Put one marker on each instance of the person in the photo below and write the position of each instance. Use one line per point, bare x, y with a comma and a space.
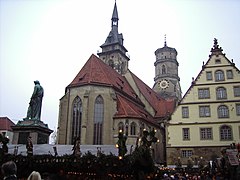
34, 176
29, 146
35, 104
9, 170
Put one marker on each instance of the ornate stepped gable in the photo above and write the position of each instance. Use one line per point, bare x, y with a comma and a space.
215, 51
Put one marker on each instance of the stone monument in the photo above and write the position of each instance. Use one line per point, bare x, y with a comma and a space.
31, 125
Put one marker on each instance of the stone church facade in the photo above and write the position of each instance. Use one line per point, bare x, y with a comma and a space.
105, 97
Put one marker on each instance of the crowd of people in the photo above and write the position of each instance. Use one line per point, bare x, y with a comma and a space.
9, 172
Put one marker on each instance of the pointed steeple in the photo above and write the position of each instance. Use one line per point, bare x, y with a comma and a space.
113, 52
115, 15
113, 36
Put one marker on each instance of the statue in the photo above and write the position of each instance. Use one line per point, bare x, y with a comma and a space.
121, 144
29, 146
35, 104
76, 147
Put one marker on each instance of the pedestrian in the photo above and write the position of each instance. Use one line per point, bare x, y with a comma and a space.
34, 176
9, 170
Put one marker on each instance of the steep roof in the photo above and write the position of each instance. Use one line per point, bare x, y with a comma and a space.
6, 123
129, 109
162, 107
96, 72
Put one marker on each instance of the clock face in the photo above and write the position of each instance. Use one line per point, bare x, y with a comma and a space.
163, 84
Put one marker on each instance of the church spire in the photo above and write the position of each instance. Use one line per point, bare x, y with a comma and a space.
115, 15
113, 52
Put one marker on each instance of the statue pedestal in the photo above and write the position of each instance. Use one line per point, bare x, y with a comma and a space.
36, 129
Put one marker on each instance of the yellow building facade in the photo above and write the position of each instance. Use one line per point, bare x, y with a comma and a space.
207, 118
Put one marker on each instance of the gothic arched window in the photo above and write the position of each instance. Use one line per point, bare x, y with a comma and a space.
76, 118
221, 93
98, 120
121, 127
225, 132
223, 111
219, 75
133, 127
163, 69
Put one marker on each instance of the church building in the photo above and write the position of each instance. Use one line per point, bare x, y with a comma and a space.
106, 97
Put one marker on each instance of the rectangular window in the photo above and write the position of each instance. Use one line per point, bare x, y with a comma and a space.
203, 93
236, 90
238, 109
225, 133
209, 75
185, 112
187, 153
186, 134
205, 133
204, 111
229, 74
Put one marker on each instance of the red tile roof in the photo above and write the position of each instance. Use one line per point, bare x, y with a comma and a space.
161, 106
129, 109
96, 72
6, 123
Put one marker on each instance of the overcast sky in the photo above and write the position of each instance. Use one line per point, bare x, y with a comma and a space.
50, 41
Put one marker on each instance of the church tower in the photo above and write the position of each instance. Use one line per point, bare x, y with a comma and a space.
113, 52
166, 80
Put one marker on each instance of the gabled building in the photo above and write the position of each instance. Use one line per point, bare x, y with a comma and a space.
207, 118
105, 97
6, 128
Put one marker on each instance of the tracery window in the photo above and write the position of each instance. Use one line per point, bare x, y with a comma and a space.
133, 128
76, 118
121, 127
98, 120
